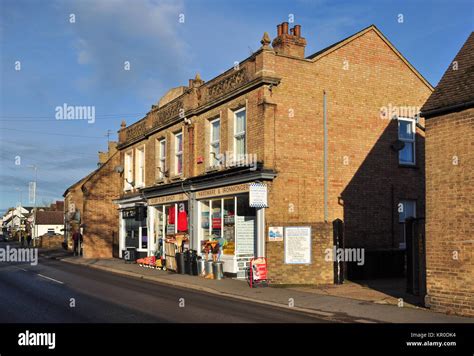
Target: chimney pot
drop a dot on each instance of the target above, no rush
(284, 26)
(297, 30)
(279, 30)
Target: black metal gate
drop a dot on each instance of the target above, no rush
(338, 241)
(416, 257)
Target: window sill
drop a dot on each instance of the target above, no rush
(177, 177)
(413, 166)
(213, 168)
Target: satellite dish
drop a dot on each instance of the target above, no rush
(118, 169)
(398, 145)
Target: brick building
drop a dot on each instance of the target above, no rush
(89, 207)
(449, 114)
(195, 153)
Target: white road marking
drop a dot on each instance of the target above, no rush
(51, 279)
(24, 270)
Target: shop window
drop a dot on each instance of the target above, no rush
(132, 233)
(215, 139)
(243, 208)
(178, 151)
(406, 134)
(240, 132)
(229, 226)
(216, 228)
(231, 220)
(176, 218)
(205, 219)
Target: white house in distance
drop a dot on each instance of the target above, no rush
(48, 222)
(14, 216)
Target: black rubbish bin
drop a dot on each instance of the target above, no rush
(187, 262)
(130, 254)
(194, 263)
(180, 266)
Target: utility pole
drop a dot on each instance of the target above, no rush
(19, 216)
(34, 204)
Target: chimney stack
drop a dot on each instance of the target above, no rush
(289, 44)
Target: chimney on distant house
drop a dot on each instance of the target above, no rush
(104, 156)
(289, 44)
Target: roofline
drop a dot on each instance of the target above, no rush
(77, 183)
(447, 109)
(374, 28)
(86, 179)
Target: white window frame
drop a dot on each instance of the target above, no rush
(161, 157)
(240, 134)
(128, 168)
(214, 145)
(140, 167)
(140, 239)
(409, 141)
(178, 154)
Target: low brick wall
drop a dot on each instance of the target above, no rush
(318, 272)
(51, 241)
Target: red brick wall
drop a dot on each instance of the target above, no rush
(376, 77)
(100, 213)
(450, 212)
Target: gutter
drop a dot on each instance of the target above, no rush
(447, 109)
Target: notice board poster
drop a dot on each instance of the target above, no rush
(298, 245)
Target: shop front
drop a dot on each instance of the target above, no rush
(224, 215)
(169, 227)
(133, 227)
(208, 220)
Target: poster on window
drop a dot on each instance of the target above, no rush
(298, 245)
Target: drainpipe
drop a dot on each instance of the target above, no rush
(325, 127)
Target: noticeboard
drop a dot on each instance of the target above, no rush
(298, 245)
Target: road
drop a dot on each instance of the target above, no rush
(57, 292)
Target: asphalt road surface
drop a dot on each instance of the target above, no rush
(58, 292)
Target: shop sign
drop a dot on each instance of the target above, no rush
(128, 213)
(298, 245)
(275, 233)
(167, 199)
(170, 229)
(258, 195)
(229, 190)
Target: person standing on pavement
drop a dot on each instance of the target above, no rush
(77, 238)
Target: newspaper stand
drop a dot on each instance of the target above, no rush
(258, 272)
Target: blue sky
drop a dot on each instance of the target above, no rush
(82, 63)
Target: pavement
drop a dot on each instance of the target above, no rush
(353, 302)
